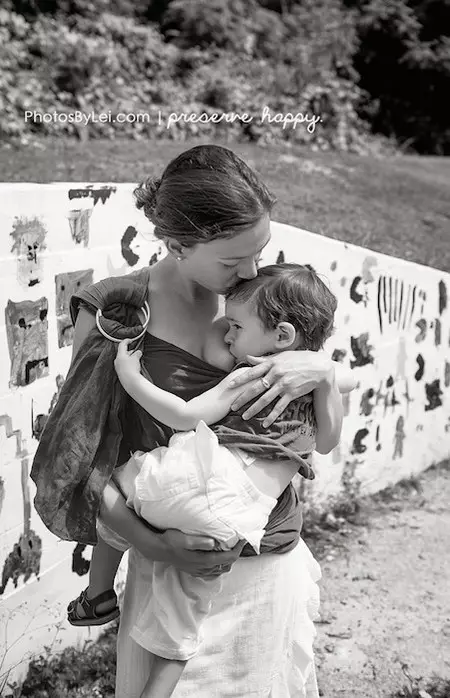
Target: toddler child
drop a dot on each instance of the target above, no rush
(221, 481)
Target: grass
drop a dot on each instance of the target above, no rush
(397, 205)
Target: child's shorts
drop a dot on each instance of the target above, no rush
(196, 486)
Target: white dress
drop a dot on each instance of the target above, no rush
(258, 637)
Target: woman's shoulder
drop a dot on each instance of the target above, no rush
(132, 288)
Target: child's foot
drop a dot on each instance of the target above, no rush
(100, 609)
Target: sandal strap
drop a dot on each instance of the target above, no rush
(89, 605)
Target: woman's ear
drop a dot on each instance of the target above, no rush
(286, 336)
(175, 248)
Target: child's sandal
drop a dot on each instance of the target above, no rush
(89, 607)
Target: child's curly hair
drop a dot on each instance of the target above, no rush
(291, 293)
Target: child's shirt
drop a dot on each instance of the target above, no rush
(290, 437)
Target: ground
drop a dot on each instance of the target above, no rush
(385, 594)
(384, 630)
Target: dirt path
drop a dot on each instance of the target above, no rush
(386, 593)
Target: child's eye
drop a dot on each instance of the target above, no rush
(229, 266)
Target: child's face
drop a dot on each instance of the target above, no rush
(246, 333)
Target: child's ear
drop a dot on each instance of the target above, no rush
(286, 335)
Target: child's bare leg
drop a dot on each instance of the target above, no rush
(105, 562)
(164, 676)
(271, 477)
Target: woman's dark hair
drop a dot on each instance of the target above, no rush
(204, 194)
(291, 293)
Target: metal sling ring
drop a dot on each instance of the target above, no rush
(146, 312)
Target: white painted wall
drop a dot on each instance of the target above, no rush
(392, 429)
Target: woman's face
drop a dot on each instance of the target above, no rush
(218, 265)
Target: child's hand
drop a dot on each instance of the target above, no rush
(127, 362)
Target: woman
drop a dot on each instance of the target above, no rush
(213, 214)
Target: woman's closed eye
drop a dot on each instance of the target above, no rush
(236, 264)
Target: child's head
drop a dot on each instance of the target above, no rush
(287, 306)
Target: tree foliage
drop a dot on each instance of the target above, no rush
(366, 66)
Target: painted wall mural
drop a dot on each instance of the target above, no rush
(25, 557)
(66, 285)
(28, 236)
(26, 330)
(79, 225)
(392, 330)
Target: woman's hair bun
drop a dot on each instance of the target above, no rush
(145, 195)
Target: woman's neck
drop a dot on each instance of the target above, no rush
(170, 274)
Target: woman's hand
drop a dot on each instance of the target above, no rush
(197, 554)
(127, 362)
(287, 375)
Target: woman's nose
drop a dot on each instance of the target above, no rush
(248, 270)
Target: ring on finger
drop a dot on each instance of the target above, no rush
(265, 383)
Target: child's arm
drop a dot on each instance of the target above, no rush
(329, 414)
(170, 409)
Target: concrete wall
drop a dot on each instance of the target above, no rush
(393, 330)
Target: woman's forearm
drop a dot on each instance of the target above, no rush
(329, 414)
(124, 521)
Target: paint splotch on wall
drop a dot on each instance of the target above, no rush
(26, 331)
(280, 258)
(65, 286)
(442, 297)
(437, 332)
(128, 249)
(377, 438)
(23, 560)
(447, 374)
(367, 265)
(366, 406)
(361, 350)
(397, 302)
(29, 241)
(79, 225)
(421, 367)
(355, 295)
(100, 194)
(25, 557)
(358, 446)
(433, 393)
(399, 437)
(339, 355)
(422, 327)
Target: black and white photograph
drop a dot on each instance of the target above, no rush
(225, 348)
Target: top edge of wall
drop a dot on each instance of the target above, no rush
(25, 186)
